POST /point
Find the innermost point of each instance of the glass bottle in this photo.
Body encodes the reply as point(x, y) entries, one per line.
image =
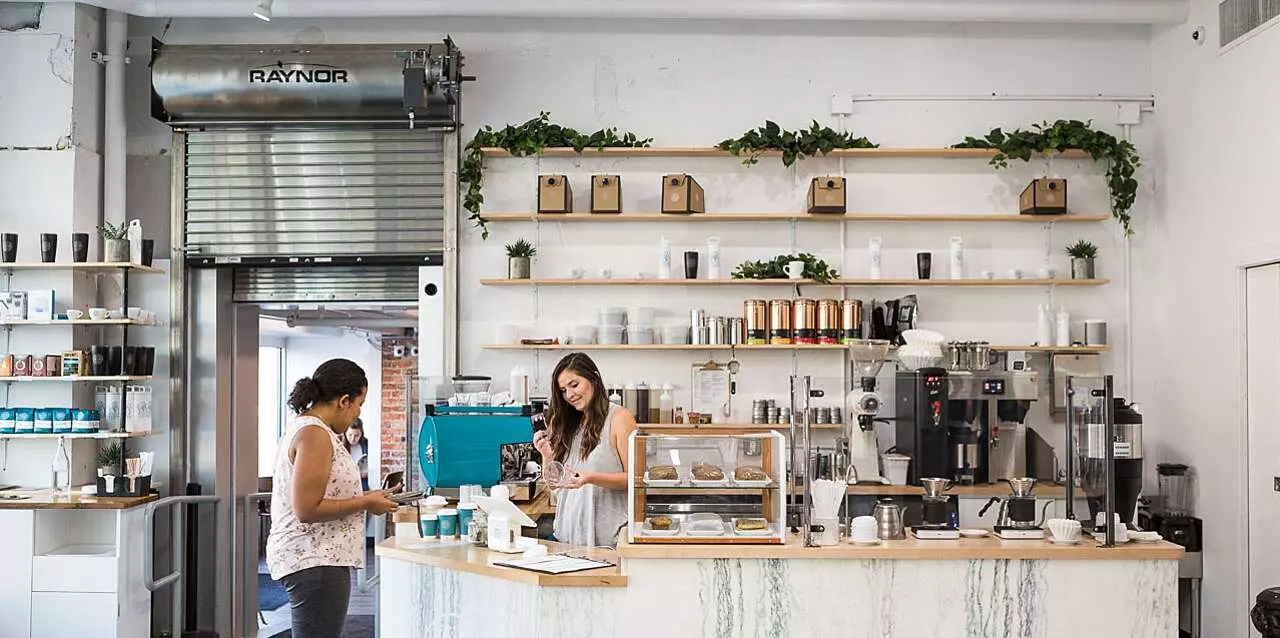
point(61, 468)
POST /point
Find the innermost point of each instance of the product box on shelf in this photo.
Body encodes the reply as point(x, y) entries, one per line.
point(24, 421)
point(7, 423)
point(1044, 196)
point(22, 365)
point(137, 408)
point(680, 479)
point(85, 421)
point(682, 195)
point(606, 194)
point(40, 305)
point(827, 195)
point(61, 420)
point(38, 366)
point(554, 194)
point(42, 419)
point(72, 363)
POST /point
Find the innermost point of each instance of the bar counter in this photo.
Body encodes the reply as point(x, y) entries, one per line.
point(968, 588)
point(47, 500)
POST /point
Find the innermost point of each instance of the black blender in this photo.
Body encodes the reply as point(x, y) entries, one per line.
point(1173, 519)
point(937, 512)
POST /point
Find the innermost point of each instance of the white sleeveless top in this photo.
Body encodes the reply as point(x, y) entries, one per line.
point(293, 545)
point(592, 516)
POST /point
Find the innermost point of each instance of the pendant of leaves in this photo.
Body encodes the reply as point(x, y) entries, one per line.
point(1120, 155)
point(815, 269)
point(521, 140)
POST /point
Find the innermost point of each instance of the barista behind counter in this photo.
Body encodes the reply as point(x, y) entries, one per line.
point(587, 435)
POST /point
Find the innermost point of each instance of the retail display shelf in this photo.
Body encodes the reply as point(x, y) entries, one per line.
point(786, 217)
point(848, 283)
point(72, 322)
point(781, 347)
point(708, 151)
point(71, 435)
point(102, 266)
point(78, 379)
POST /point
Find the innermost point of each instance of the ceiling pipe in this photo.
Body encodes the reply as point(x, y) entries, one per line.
point(114, 203)
point(1049, 11)
point(350, 322)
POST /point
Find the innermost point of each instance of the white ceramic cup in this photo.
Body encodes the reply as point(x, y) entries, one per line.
point(830, 534)
point(1048, 273)
point(133, 312)
point(98, 314)
point(794, 269)
point(863, 529)
point(1014, 273)
point(605, 273)
point(74, 314)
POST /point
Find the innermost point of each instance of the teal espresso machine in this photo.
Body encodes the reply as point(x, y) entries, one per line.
point(477, 445)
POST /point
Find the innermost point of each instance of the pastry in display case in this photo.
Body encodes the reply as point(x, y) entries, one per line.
point(720, 486)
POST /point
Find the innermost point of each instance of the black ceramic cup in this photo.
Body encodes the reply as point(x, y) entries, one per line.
point(9, 247)
point(48, 247)
point(691, 264)
point(80, 247)
point(924, 265)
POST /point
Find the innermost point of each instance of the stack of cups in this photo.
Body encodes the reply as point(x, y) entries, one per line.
point(640, 326)
point(467, 507)
point(611, 326)
point(429, 516)
point(760, 411)
point(863, 531)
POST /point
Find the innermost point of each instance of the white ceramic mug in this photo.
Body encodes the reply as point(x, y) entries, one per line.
point(794, 269)
point(98, 314)
point(74, 314)
point(1015, 273)
point(605, 273)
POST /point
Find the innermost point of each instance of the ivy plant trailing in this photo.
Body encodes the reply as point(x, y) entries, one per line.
point(794, 145)
point(1121, 156)
point(529, 138)
point(815, 269)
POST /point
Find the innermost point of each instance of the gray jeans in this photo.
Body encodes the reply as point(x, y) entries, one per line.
point(318, 599)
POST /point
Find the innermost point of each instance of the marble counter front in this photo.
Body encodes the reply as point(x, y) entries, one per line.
point(979, 588)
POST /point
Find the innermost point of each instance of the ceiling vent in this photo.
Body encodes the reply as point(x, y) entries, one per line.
point(1238, 18)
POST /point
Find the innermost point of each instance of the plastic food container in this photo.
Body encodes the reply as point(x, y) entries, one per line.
point(675, 334)
point(611, 334)
point(612, 316)
point(640, 335)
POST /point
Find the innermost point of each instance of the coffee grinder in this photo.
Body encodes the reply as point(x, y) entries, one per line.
point(1017, 519)
point(866, 357)
point(937, 512)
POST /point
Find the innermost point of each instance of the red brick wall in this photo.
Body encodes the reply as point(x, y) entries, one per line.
point(393, 400)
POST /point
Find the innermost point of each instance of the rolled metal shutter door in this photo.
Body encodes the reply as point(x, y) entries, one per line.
point(268, 198)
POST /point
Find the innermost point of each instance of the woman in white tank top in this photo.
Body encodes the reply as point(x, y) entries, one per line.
point(589, 436)
point(317, 504)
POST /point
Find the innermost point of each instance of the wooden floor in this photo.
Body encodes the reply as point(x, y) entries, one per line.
point(362, 604)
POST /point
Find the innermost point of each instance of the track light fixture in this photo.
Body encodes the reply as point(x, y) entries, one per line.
point(263, 11)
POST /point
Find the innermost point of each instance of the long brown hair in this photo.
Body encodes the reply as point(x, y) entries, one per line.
point(563, 420)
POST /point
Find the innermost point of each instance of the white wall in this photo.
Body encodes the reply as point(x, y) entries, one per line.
point(1215, 212)
point(302, 355)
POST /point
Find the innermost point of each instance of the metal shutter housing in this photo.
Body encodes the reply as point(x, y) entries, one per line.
point(330, 283)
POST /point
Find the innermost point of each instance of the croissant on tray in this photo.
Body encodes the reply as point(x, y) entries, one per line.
point(660, 523)
point(750, 524)
point(704, 472)
point(663, 473)
point(750, 473)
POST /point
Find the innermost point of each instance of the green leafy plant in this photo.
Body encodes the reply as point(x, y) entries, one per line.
point(521, 248)
point(814, 268)
point(109, 455)
point(529, 138)
point(1121, 156)
point(794, 145)
point(111, 231)
point(1082, 250)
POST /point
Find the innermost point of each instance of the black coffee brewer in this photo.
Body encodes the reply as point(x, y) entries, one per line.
point(937, 512)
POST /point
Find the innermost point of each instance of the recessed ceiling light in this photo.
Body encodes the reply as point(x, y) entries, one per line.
point(263, 12)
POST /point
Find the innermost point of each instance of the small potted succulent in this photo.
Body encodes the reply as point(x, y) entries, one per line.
point(518, 255)
point(117, 243)
point(108, 459)
point(1082, 254)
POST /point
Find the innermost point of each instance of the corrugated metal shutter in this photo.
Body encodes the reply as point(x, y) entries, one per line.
point(326, 283)
point(256, 195)
point(1237, 18)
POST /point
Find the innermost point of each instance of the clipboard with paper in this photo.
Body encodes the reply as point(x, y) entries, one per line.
point(712, 389)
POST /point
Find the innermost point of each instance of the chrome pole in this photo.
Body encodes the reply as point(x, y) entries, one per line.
point(1071, 449)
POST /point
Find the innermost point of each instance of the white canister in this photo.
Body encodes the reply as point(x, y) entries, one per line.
point(713, 258)
point(519, 385)
point(1044, 326)
point(1063, 329)
point(1095, 332)
point(874, 246)
point(957, 258)
point(664, 258)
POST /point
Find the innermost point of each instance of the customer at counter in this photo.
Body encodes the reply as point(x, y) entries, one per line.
point(317, 504)
point(588, 434)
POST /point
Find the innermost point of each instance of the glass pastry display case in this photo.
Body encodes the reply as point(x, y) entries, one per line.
point(707, 485)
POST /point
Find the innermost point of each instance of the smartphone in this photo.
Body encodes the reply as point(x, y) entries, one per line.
point(393, 479)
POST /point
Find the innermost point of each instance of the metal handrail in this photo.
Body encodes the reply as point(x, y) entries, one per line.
point(148, 538)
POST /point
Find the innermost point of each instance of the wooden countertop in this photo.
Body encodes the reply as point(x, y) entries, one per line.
point(464, 557)
point(990, 548)
point(45, 500)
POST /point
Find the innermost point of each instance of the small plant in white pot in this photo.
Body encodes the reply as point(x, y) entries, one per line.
point(116, 242)
point(1082, 255)
point(518, 255)
point(108, 459)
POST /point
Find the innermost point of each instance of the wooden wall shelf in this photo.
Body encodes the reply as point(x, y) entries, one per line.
point(80, 379)
point(81, 267)
point(706, 151)
point(860, 283)
point(707, 347)
point(70, 435)
point(787, 217)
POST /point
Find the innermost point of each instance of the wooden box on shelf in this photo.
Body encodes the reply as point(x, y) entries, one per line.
point(827, 195)
point(606, 194)
point(679, 476)
point(1044, 196)
point(554, 194)
point(682, 195)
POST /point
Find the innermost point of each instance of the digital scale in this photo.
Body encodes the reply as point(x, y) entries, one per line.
point(1019, 533)
point(927, 533)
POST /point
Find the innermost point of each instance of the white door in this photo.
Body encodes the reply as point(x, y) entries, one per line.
point(1262, 308)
